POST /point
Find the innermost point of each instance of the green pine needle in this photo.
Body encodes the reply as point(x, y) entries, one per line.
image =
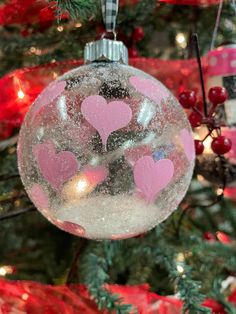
point(97, 268)
point(82, 9)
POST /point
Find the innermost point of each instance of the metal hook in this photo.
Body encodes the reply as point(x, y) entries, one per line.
point(109, 12)
point(109, 34)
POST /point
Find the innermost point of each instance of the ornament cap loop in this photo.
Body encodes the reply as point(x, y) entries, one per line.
point(106, 50)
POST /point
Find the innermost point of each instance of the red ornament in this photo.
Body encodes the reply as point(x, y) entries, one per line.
point(199, 147)
point(217, 95)
point(138, 34)
point(195, 119)
point(133, 52)
point(221, 145)
point(187, 99)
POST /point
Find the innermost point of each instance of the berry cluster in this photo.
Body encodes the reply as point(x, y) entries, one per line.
point(217, 95)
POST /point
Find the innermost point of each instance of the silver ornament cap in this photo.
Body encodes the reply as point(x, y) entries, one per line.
point(106, 50)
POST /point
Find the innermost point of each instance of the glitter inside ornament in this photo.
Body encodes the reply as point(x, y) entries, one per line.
point(106, 152)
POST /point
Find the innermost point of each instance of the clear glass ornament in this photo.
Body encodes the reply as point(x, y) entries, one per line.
point(106, 152)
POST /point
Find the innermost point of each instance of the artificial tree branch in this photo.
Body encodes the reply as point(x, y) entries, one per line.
point(83, 9)
point(73, 268)
point(13, 198)
point(9, 142)
point(16, 213)
point(190, 207)
point(5, 177)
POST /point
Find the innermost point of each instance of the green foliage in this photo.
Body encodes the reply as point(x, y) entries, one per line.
point(173, 258)
point(83, 9)
point(96, 267)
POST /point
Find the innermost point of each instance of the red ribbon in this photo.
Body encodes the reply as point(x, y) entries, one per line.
point(20, 87)
point(31, 297)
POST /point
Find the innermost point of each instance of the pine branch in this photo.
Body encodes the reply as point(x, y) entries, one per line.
point(164, 254)
point(82, 9)
point(8, 142)
point(186, 286)
point(5, 177)
point(219, 296)
point(16, 213)
point(97, 266)
point(74, 265)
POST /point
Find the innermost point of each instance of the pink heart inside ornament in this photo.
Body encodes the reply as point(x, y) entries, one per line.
point(188, 144)
point(71, 227)
point(95, 175)
point(106, 117)
point(151, 177)
point(39, 197)
point(55, 168)
point(152, 89)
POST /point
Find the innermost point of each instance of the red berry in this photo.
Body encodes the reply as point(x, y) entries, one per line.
point(195, 119)
point(221, 145)
point(199, 147)
point(187, 99)
point(138, 34)
point(217, 95)
point(209, 236)
point(133, 52)
point(25, 33)
point(223, 237)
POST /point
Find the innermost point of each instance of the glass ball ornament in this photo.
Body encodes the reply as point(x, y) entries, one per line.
point(106, 152)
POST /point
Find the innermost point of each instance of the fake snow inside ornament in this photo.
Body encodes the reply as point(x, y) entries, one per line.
point(106, 151)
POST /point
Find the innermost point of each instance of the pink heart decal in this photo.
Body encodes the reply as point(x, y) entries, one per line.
point(152, 89)
point(48, 95)
point(187, 140)
point(55, 168)
point(106, 118)
point(71, 227)
point(39, 197)
point(151, 177)
point(95, 175)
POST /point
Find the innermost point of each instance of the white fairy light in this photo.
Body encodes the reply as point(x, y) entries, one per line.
point(181, 40)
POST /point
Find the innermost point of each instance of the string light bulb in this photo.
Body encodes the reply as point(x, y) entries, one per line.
point(32, 49)
point(6, 270)
point(78, 25)
point(60, 28)
point(180, 257)
point(181, 40)
point(180, 269)
point(25, 296)
point(77, 187)
point(21, 94)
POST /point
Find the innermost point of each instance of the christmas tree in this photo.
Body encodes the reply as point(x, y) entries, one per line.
point(185, 264)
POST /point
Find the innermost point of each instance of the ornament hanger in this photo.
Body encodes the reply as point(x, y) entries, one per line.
point(109, 13)
point(107, 49)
